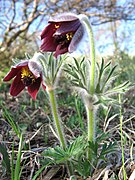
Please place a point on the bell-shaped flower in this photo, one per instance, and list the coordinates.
(62, 35)
(28, 74)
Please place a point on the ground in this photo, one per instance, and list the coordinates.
(33, 118)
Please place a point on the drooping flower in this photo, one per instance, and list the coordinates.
(28, 74)
(62, 35)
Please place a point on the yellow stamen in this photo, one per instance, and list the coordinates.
(26, 76)
(25, 72)
(69, 36)
(57, 26)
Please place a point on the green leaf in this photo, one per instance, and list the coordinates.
(77, 146)
(103, 136)
(58, 155)
(10, 120)
(108, 77)
(101, 70)
(107, 149)
(83, 167)
(119, 89)
(6, 160)
(12, 162)
(78, 73)
(82, 61)
(77, 64)
(39, 171)
(17, 172)
(107, 65)
(94, 147)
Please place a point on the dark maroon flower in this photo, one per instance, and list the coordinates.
(24, 77)
(62, 35)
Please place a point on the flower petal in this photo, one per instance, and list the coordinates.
(22, 64)
(12, 73)
(66, 27)
(48, 31)
(33, 88)
(14, 70)
(35, 68)
(63, 17)
(48, 43)
(17, 85)
(76, 39)
(44, 86)
(60, 50)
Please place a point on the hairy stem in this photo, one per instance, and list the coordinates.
(57, 119)
(58, 127)
(90, 109)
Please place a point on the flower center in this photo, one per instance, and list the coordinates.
(64, 38)
(26, 76)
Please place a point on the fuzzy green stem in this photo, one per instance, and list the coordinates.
(90, 110)
(91, 127)
(92, 58)
(122, 143)
(58, 127)
(57, 119)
